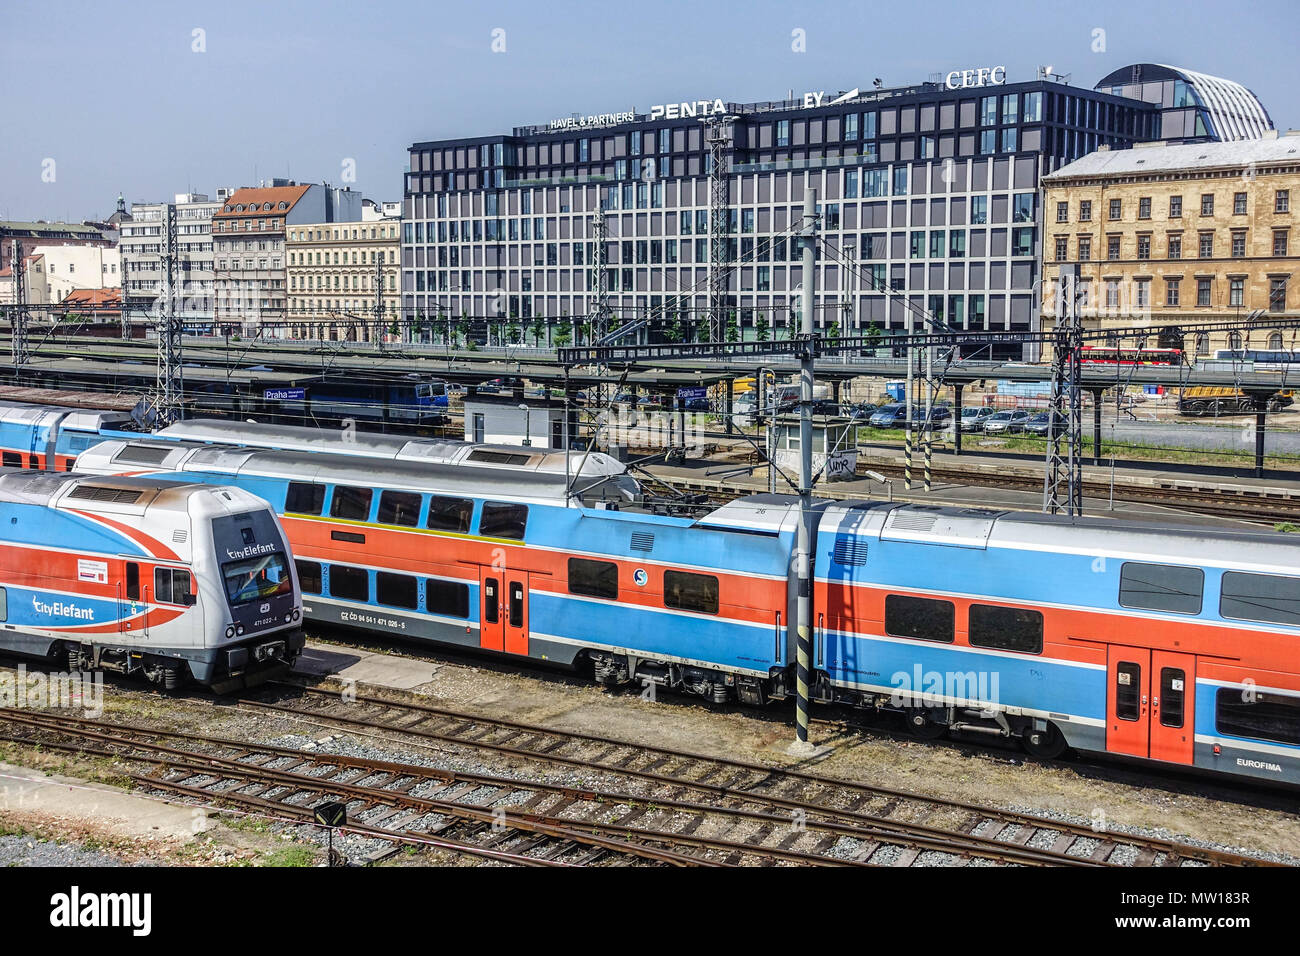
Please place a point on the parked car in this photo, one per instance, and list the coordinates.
(698, 405)
(973, 417)
(1038, 425)
(893, 415)
(1009, 421)
(864, 410)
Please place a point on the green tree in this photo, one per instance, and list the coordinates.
(463, 326)
(732, 330)
(762, 331)
(674, 331)
(538, 328)
(563, 337)
(833, 332)
(702, 330)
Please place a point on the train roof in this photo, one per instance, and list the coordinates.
(469, 480)
(86, 493)
(81, 419)
(1210, 545)
(393, 447)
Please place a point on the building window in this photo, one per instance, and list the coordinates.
(1085, 248)
(1144, 247)
(1112, 247)
(851, 126)
(1239, 204)
(1207, 204)
(1282, 200)
(1202, 344)
(1277, 294)
(1236, 292)
(979, 210)
(1175, 207)
(1171, 291)
(1062, 212)
(918, 245)
(1175, 247)
(1238, 245)
(1203, 287)
(989, 111)
(1206, 243)
(1142, 288)
(988, 141)
(1022, 241)
(1085, 210)
(1116, 208)
(1062, 248)
(783, 133)
(1010, 139)
(1144, 207)
(1112, 293)
(1279, 242)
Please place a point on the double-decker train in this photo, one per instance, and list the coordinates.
(166, 580)
(1172, 644)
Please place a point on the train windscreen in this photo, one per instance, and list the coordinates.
(256, 578)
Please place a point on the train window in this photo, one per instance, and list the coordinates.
(1006, 628)
(257, 578)
(450, 514)
(1128, 690)
(490, 598)
(351, 504)
(397, 590)
(516, 604)
(596, 578)
(172, 586)
(132, 581)
(1273, 598)
(691, 592)
(304, 498)
(309, 576)
(352, 584)
(446, 597)
(1247, 712)
(11, 459)
(923, 618)
(1173, 695)
(399, 507)
(1161, 587)
(503, 521)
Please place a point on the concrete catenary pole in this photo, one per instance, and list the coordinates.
(803, 544)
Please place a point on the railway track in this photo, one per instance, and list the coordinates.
(870, 824)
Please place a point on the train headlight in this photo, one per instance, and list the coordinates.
(230, 632)
(239, 629)
(296, 614)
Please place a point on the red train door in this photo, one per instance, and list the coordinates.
(491, 632)
(1128, 701)
(515, 617)
(1173, 706)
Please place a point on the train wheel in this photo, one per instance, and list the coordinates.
(922, 726)
(1044, 744)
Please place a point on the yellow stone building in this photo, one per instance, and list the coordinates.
(332, 269)
(1165, 235)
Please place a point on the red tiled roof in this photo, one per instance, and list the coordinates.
(260, 198)
(94, 298)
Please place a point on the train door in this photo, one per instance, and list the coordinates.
(1128, 701)
(131, 600)
(1173, 706)
(516, 613)
(492, 608)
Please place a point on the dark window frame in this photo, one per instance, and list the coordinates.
(1223, 596)
(447, 506)
(1258, 699)
(598, 586)
(497, 511)
(399, 507)
(344, 494)
(451, 597)
(305, 580)
(1200, 597)
(684, 601)
(346, 571)
(1035, 647)
(894, 606)
(386, 580)
(315, 489)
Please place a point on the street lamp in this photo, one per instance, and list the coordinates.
(528, 432)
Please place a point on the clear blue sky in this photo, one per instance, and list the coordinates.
(115, 95)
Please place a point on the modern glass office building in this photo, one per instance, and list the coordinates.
(928, 194)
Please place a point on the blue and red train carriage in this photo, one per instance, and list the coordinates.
(1165, 643)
